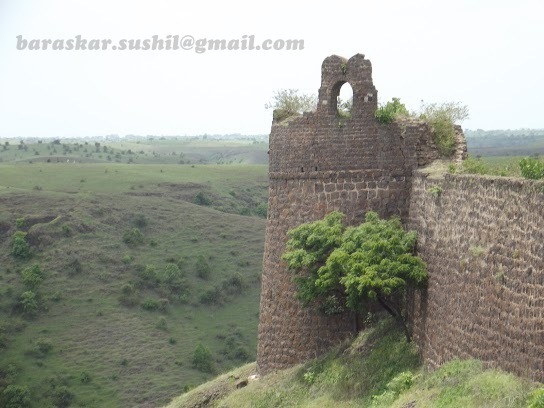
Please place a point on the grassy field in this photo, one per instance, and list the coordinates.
(379, 369)
(120, 314)
(145, 151)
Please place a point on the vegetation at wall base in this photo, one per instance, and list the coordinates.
(377, 369)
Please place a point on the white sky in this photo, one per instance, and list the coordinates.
(486, 54)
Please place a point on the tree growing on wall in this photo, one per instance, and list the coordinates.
(338, 268)
(290, 102)
(443, 117)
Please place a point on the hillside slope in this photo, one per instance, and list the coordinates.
(135, 275)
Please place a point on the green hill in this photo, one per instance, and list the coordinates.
(140, 264)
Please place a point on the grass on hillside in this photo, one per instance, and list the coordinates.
(378, 369)
(147, 151)
(107, 335)
(241, 189)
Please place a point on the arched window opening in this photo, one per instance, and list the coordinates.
(344, 101)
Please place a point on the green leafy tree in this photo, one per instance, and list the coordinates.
(32, 277)
(202, 359)
(339, 268)
(19, 247)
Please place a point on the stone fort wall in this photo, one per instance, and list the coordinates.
(320, 163)
(483, 241)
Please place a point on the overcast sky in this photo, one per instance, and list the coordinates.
(485, 54)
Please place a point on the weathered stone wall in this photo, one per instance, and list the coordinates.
(483, 241)
(320, 163)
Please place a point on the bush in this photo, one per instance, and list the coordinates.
(474, 166)
(289, 102)
(66, 230)
(129, 295)
(19, 247)
(212, 296)
(234, 285)
(390, 111)
(203, 270)
(442, 117)
(32, 277)
(20, 222)
(396, 386)
(262, 210)
(201, 199)
(41, 348)
(435, 191)
(532, 168)
(84, 378)
(150, 305)
(140, 221)
(74, 267)
(149, 275)
(29, 303)
(161, 324)
(63, 397)
(44, 346)
(16, 396)
(202, 359)
(174, 278)
(133, 237)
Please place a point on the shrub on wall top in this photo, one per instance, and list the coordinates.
(443, 117)
(390, 111)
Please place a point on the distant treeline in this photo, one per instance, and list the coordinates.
(520, 142)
